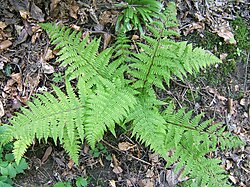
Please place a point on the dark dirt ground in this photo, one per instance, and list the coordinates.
(27, 66)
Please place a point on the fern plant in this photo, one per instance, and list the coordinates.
(112, 90)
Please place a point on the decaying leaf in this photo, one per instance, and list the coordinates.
(47, 68)
(73, 10)
(5, 44)
(36, 12)
(117, 169)
(125, 146)
(2, 25)
(53, 4)
(70, 164)
(47, 154)
(226, 35)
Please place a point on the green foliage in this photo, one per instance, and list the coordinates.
(242, 33)
(57, 77)
(112, 90)
(8, 167)
(99, 150)
(81, 182)
(62, 184)
(137, 12)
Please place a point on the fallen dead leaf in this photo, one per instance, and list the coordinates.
(229, 164)
(47, 68)
(125, 146)
(154, 157)
(24, 14)
(233, 179)
(117, 170)
(223, 56)
(1, 109)
(73, 9)
(36, 13)
(112, 183)
(48, 55)
(2, 25)
(5, 44)
(53, 4)
(70, 164)
(47, 154)
(106, 40)
(226, 35)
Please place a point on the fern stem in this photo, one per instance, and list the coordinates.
(152, 60)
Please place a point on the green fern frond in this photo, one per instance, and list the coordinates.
(137, 12)
(161, 59)
(49, 116)
(105, 109)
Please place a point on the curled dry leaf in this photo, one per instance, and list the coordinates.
(48, 55)
(125, 146)
(117, 170)
(70, 164)
(2, 25)
(5, 44)
(73, 10)
(1, 109)
(53, 5)
(226, 35)
(47, 68)
(47, 154)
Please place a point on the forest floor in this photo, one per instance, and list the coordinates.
(222, 92)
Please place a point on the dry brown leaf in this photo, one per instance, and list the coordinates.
(47, 68)
(125, 146)
(223, 56)
(229, 164)
(2, 25)
(70, 164)
(36, 13)
(107, 38)
(73, 10)
(24, 14)
(226, 35)
(117, 170)
(47, 154)
(48, 55)
(154, 157)
(53, 4)
(5, 44)
(1, 109)
(17, 77)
